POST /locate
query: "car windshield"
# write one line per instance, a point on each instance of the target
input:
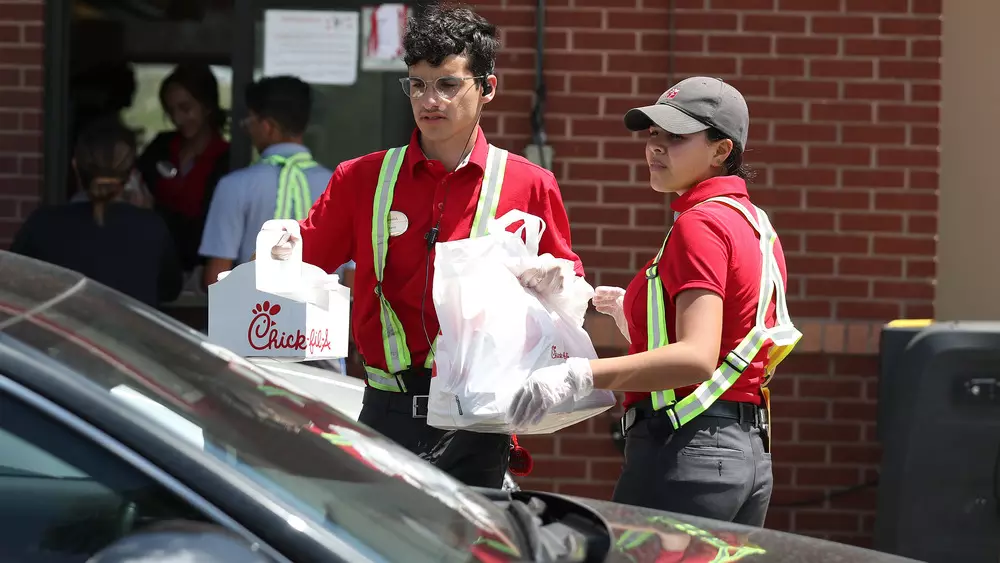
(342, 475)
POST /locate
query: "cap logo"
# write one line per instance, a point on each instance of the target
(671, 93)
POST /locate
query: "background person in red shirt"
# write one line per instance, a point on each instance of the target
(703, 452)
(443, 177)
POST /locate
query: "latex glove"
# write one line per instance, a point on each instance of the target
(544, 274)
(611, 301)
(282, 250)
(547, 387)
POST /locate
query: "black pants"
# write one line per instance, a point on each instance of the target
(712, 467)
(478, 460)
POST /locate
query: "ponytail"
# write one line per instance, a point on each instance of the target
(104, 159)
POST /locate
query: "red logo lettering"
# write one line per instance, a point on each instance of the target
(557, 355)
(263, 333)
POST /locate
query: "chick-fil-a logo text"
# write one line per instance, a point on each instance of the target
(557, 355)
(263, 333)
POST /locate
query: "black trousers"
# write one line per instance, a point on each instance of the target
(711, 467)
(478, 460)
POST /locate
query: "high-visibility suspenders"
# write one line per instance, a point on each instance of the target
(634, 538)
(397, 353)
(783, 335)
(294, 197)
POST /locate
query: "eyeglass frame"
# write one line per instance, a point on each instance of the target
(405, 83)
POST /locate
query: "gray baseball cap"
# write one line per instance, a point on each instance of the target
(696, 104)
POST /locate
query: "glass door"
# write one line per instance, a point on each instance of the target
(348, 120)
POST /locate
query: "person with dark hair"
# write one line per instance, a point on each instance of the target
(182, 167)
(706, 318)
(282, 185)
(387, 210)
(123, 246)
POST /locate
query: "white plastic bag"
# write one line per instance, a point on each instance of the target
(282, 309)
(494, 332)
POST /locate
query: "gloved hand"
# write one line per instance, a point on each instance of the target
(282, 250)
(611, 301)
(543, 274)
(547, 387)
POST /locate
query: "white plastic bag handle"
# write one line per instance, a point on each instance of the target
(532, 228)
(275, 276)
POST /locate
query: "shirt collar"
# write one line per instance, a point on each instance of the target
(415, 155)
(283, 149)
(732, 186)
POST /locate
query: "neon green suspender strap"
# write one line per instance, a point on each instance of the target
(294, 196)
(784, 335)
(397, 354)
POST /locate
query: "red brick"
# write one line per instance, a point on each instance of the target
(806, 521)
(871, 222)
(925, 136)
(739, 44)
(827, 111)
(683, 42)
(927, 7)
(831, 68)
(921, 224)
(907, 113)
(910, 26)
(846, 25)
(743, 4)
(707, 21)
(778, 23)
(773, 67)
(875, 91)
(877, 6)
(902, 201)
(598, 171)
(875, 47)
(843, 432)
(856, 156)
(923, 179)
(858, 266)
(804, 221)
(903, 245)
(924, 158)
(805, 132)
(810, 5)
(926, 48)
(811, 176)
(631, 20)
(874, 134)
(866, 310)
(921, 70)
(805, 89)
(806, 46)
(873, 178)
(837, 243)
(903, 290)
(605, 40)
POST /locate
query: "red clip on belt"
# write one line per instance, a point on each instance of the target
(520, 460)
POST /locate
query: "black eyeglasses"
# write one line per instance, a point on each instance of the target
(446, 86)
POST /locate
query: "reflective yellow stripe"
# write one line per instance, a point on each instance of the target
(397, 353)
(783, 335)
(294, 197)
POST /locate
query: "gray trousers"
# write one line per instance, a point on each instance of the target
(712, 467)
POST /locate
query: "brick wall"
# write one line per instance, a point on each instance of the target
(844, 102)
(843, 98)
(21, 53)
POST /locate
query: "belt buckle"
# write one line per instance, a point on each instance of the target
(416, 406)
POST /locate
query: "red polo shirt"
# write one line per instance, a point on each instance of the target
(339, 229)
(711, 247)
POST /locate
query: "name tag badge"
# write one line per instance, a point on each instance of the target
(398, 223)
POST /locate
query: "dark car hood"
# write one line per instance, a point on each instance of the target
(644, 535)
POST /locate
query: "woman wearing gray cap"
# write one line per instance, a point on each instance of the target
(706, 319)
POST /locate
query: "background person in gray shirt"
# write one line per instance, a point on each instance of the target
(283, 184)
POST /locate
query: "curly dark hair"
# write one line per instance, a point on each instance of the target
(443, 30)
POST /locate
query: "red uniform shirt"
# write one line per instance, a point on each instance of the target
(711, 247)
(339, 229)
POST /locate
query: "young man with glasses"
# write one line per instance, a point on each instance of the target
(387, 209)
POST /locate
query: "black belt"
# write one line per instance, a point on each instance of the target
(742, 412)
(413, 402)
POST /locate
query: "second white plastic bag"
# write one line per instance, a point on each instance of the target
(494, 332)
